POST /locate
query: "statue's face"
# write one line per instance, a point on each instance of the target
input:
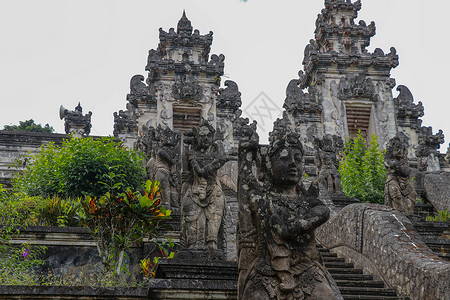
(205, 137)
(287, 168)
(398, 150)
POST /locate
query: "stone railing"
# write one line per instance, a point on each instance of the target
(437, 189)
(384, 242)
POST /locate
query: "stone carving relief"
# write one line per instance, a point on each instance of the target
(398, 191)
(75, 122)
(356, 87)
(278, 258)
(187, 90)
(202, 202)
(335, 109)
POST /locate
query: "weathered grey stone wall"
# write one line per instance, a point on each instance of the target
(72, 251)
(386, 241)
(72, 292)
(437, 189)
(13, 144)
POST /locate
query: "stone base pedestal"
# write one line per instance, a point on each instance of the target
(183, 279)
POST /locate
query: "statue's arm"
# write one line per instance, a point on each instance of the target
(219, 160)
(166, 156)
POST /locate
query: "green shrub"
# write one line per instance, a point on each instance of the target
(442, 216)
(77, 168)
(16, 262)
(362, 170)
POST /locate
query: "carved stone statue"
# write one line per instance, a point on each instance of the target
(327, 163)
(398, 191)
(278, 258)
(161, 148)
(203, 200)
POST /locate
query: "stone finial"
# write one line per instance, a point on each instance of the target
(431, 141)
(229, 98)
(76, 123)
(427, 151)
(184, 25)
(137, 85)
(139, 91)
(408, 113)
(125, 122)
(243, 130)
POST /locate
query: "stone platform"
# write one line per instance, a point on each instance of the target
(180, 279)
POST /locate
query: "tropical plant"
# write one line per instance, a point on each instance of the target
(57, 211)
(120, 219)
(76, 168)
(362, 169)
(148, 264)
(30, 126)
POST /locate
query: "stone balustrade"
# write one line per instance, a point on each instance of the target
(384, 241)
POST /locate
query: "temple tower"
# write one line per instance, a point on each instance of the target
(181, 89)
(352, 85)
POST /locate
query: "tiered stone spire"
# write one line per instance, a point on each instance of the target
(340, 42)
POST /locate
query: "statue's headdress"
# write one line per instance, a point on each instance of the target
(283, 136)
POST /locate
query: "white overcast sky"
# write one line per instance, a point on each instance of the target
(65, 51)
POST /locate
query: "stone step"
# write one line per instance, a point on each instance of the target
(353, 277)
(362, 283)
(337, 265)
(374, 291)
(344, 271)
(369, 297)
(333, 259)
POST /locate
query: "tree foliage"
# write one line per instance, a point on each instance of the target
(78, 167)
(30, 126)
(362, 170)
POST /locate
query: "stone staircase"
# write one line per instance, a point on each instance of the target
(435, 234)
(352, 283)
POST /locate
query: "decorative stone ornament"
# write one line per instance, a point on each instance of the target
(75, 122)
